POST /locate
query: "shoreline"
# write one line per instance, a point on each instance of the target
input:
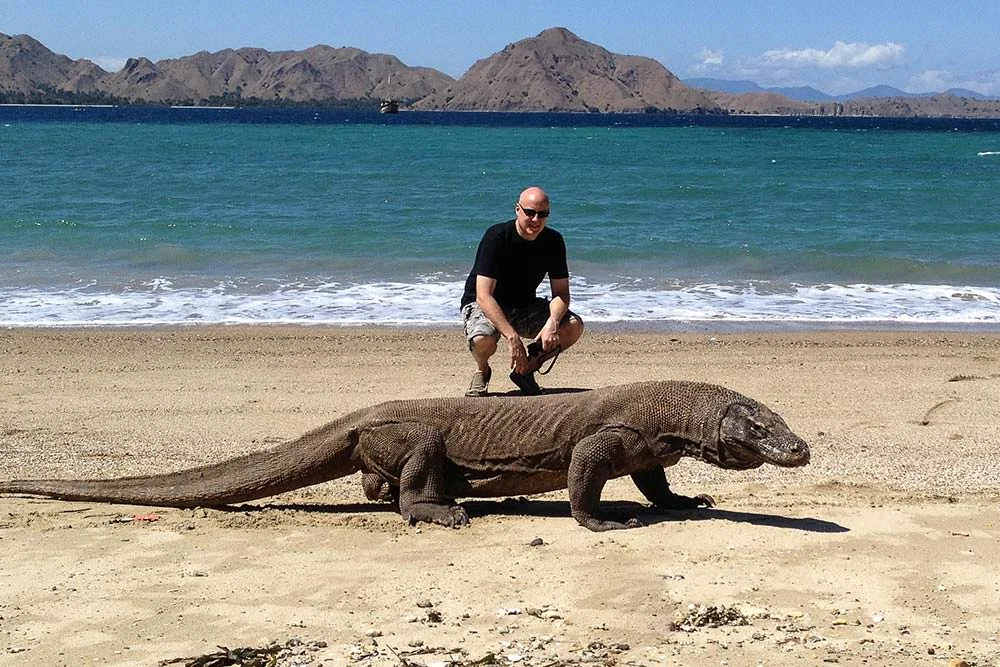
(852, 120)
(749, 327)
(595, 334)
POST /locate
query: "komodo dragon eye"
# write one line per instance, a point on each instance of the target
(758, 430)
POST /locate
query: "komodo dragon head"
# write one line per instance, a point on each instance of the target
(750, 434)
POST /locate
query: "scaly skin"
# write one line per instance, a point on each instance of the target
(425, 453)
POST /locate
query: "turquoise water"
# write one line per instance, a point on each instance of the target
(113, 223)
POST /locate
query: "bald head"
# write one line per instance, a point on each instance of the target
(532, 196)
(532, 210)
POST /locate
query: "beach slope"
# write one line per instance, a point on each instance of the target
(882, 550)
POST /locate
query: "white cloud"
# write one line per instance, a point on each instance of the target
(855, 55)
(932, 81)
(710, 58)
(708, 62)
(844, 68)
(936, 81)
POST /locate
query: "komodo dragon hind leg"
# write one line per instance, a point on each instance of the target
(376, 488)
(652, 482)
(415, 455)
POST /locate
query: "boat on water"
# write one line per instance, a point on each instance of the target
(388, 104)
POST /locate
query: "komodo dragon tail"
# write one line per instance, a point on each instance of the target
(318, 456)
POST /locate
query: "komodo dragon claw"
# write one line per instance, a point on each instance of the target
(451, 517)
(678, 502)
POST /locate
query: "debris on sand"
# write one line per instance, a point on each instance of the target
(291, 652)
(707, 616)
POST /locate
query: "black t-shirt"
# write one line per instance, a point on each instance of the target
(518, 265)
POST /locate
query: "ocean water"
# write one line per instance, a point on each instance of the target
(145, 217)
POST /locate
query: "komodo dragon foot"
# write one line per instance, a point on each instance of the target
(678, 502)
(652, 482)
(376, 488)
(598, 525)
(452, 516)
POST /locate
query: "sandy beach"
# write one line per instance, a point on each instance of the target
(882, 551)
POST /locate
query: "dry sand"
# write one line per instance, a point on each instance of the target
(882, 552)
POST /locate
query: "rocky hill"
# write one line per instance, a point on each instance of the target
(25, 65)
(553, 71)
(29, 72)
(319, 73)
(558, 71)
(934, 106)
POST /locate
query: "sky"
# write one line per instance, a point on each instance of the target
(837, 47)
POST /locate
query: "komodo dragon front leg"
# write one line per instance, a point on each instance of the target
(410, 458)
(652, 482)
(611, 453)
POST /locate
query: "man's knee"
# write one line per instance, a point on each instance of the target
(570, 330)
(483, 344)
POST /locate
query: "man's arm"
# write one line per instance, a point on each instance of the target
(494, 313)
(559, 286)
(558, 307)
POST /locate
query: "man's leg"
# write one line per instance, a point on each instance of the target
(529, 322)
(570, 330)
(482, 337)
(483, 347)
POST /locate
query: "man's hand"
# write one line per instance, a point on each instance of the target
(519, 362)
(549, 335)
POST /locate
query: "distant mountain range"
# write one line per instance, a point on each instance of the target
(810, 94)
(30, 72)
(553, 71)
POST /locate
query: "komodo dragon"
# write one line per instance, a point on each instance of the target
(426, 452)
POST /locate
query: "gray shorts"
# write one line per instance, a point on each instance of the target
(527, 320)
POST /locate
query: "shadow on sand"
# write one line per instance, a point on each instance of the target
(614, 510)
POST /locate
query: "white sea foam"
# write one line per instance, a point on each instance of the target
(429, 303)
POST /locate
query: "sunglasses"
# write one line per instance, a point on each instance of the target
(531, 213)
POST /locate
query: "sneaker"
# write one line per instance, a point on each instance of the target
(526, 383)
(480, 381)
